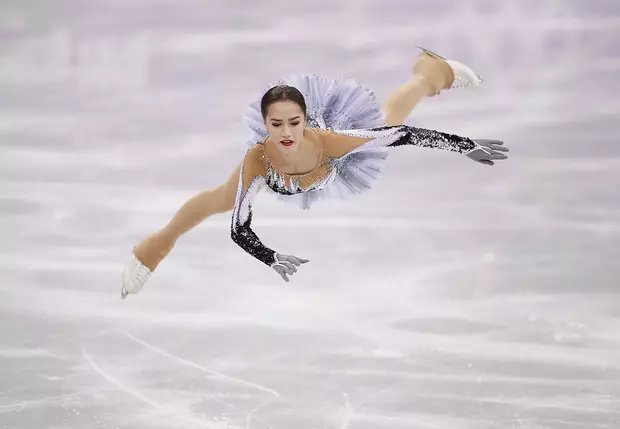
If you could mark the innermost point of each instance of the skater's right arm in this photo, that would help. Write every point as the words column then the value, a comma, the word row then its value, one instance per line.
column 251, row 177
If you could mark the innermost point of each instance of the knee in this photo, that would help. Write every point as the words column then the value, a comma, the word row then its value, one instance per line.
column 228, row 203
column 226, row 197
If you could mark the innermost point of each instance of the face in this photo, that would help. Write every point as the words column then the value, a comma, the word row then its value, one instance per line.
column 285, row 123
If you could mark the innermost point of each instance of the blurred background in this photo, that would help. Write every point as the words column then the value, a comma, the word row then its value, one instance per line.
column 452, row 296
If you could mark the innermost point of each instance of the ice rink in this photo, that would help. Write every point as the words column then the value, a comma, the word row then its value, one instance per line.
column 452, row 296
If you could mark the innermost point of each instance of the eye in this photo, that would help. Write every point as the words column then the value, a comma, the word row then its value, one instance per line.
column 294, row 123
column 276, row 125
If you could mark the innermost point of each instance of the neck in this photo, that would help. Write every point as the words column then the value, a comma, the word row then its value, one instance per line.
column 303, row 158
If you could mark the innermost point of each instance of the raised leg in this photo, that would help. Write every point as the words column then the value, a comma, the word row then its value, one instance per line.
column 431, row 74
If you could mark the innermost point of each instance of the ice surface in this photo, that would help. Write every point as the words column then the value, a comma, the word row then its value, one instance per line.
column 453, row 296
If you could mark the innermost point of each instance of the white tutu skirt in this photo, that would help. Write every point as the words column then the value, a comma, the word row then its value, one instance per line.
column 337, row 106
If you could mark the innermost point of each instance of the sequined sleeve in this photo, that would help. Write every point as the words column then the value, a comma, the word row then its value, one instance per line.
column 251, row 177
column 408, row 135
column 341, row 142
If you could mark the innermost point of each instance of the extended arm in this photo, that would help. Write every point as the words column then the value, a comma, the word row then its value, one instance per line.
column 251, row 177
column 339, row 143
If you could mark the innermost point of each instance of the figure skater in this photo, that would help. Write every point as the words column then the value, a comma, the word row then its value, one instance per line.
column 314, row 139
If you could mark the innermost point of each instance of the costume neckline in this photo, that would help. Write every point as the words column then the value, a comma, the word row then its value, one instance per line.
column 320, row 161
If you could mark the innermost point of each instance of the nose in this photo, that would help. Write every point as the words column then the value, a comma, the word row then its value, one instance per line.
column 286, row 131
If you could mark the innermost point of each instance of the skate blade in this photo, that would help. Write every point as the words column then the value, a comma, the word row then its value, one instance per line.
column 431, row 53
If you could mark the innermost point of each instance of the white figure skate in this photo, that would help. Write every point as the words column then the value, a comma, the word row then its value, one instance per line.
column 464, row 77
column 134, row 277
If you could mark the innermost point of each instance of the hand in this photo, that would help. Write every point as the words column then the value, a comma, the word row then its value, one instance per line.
column 287, row 264
column 487, row 151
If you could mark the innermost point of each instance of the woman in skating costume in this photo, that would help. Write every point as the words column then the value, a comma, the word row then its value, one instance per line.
column 315, row 139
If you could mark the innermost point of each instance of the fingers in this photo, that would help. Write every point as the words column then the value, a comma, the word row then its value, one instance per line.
column 488, row 151
column 489, row 154
column 281, row 270
column 287, row 265
column 488, row 142
column 293, row 259
column 496, row 145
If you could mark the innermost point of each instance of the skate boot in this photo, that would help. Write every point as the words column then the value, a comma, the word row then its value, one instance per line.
column 459, row 75
column 145, row 257
column 134, row 277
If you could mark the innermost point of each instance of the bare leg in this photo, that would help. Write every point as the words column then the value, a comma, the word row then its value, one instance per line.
column 430, row 75
column 156, row 246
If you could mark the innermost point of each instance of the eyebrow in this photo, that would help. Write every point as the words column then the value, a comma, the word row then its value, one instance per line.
column 291, row 119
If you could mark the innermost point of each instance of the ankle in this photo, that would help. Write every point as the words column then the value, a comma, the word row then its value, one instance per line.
column 436, row 72
column 153, row 249
column 428, row 85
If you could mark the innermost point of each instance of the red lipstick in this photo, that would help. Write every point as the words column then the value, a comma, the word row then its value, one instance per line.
column 286, row 142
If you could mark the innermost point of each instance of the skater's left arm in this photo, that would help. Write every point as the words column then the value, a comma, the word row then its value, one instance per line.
column 339, row 143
